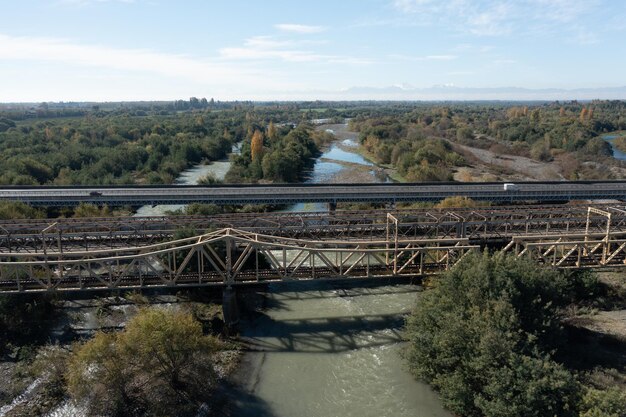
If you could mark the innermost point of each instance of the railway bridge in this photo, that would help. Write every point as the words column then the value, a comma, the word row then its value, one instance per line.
column 236, row 249
column 239, row 249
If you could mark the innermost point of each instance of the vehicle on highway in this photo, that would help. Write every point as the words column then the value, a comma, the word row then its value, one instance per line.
column 95, row 194
column 509, row 186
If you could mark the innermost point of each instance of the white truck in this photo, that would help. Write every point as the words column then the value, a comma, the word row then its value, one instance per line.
column 509, row 186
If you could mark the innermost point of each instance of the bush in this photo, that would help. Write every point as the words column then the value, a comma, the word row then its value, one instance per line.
column 609, row 403
column 161, row 364
column 15, row 210
column 483, row 338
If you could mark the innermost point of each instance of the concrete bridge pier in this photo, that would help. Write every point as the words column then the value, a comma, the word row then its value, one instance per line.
column 230, row 310
column 332, row 207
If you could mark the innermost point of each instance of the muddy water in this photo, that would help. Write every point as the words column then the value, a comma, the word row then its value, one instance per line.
column 320, row 350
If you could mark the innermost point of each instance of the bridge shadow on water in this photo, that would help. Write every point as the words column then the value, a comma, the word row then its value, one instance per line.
column 234, row 400
column 331, row 333
column 326, row 334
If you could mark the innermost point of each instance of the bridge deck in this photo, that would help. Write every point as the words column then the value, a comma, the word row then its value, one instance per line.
column 324, row 193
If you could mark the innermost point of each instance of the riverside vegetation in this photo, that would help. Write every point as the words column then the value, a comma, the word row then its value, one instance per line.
column 133, row 145
column 151, row 144
column 419, row 141
column 164, row 361
column 489, row 337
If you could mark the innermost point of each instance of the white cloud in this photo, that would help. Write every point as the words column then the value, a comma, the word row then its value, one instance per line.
column 496, row 17
column 199, row 70
column 402, row 57
column 561, row 10
column 296, row 28
column 267, row 48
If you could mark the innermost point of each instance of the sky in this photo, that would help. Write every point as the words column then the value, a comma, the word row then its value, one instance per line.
column 113, row 50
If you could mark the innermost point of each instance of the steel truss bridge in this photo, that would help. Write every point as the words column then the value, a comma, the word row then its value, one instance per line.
column 321, row 193
column 237, row 249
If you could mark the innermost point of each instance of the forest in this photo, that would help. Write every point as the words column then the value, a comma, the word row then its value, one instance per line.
column 420, row 141
column 138, row 146
column 151, row 143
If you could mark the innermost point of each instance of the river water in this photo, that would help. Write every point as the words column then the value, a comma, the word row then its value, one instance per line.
column 617, row 154
column 191, row 176
column 324, row 349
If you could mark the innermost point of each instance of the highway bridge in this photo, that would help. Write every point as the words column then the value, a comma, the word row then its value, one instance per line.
column 91, row 254
column 321, row 193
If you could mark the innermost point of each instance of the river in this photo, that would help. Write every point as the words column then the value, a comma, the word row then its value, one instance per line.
column 617, row 154
column 191, row 176
column 323, row 349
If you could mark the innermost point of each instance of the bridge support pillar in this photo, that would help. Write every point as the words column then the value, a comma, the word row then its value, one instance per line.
column 229, row 307
column 332, row 207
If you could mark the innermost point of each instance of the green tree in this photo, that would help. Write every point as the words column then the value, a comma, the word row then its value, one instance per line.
column 160, row 364
column 483, row 338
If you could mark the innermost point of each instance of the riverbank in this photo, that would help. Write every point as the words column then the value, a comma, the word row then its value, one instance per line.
column 192, row 176
column 617, row 140
column 386, row 171
column 28, row 390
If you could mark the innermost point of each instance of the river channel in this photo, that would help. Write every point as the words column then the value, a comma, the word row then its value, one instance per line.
column 617, row 154
column 323, row 349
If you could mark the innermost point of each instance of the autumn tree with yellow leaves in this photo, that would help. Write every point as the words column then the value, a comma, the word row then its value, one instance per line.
column 256, row 146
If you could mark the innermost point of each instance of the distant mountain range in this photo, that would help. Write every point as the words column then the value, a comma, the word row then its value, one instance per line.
column 446, row 92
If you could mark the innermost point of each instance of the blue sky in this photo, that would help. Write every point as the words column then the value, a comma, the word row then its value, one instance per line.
column 61, row 50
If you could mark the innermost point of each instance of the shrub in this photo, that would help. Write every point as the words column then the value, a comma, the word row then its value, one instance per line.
column 161, row 364
column 483, row 338
column 608, row 403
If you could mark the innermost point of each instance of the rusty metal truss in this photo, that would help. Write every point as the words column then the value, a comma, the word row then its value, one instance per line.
column 489, row 225
column 227, row 257
column 124, row 253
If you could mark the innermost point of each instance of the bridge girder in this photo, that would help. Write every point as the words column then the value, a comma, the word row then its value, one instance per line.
column 126, row 253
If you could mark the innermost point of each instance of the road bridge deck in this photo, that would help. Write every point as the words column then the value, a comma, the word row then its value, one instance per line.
column 321, row 193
